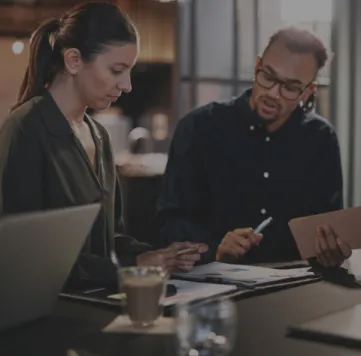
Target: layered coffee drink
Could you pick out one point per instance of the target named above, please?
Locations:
(144, 291)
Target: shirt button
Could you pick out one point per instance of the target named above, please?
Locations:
(266, 174)
(251, 128)
(263, 211)
(268, 139)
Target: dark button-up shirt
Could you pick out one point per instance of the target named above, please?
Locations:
(226, 171)
(44, 166)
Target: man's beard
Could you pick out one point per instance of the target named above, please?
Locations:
(261, 120)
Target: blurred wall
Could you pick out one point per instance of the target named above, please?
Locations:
(12, 69)
(218, 42)
(155, 23)
(346, 93)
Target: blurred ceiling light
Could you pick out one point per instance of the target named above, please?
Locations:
(295, 11)
(18, 47)
(139, 133)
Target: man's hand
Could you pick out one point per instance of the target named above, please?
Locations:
(331, 250)
(238, 242)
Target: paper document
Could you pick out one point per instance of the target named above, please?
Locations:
(190, 291)
(346, 223)
(217, 272)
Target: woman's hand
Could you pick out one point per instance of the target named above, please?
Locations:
(168, 258)
(185, 262)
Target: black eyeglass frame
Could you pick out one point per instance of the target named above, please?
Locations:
(281, 83)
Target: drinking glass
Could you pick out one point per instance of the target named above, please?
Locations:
(144, 288)
(206, 329)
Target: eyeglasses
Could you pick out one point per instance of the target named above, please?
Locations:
(287, 90)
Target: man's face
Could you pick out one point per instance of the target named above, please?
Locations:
(283, 79)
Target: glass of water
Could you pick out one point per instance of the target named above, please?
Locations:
(207, 328)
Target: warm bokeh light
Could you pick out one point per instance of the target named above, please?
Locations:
(18, 47)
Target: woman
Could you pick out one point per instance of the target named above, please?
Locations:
(54, 155)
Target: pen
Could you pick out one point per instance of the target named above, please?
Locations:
(187, 250)
(262, 225)
(89, 291)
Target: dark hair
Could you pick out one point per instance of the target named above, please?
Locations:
(301, 41)
(89, 27)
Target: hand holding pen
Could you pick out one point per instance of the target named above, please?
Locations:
(239, 241)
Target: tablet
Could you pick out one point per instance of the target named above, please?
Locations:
(346, 223)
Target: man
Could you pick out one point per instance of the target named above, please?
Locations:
(264, 154)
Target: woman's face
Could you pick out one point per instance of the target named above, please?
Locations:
(105, 77)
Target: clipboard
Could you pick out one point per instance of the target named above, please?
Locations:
(345, 222)
(243, 276)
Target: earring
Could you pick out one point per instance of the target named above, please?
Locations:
(301, 104)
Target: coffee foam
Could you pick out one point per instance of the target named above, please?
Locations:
(143, 281)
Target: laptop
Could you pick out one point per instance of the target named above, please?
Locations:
(341, 328)
(37, 253)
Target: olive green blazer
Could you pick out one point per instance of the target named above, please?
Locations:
(44, 166)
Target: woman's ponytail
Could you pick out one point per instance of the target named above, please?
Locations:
(38, 72)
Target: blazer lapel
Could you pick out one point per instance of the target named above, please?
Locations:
(65, 141)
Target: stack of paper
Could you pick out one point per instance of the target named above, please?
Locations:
(191, 291)
(243, 275)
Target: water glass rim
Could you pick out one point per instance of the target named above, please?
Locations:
(142, 270)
